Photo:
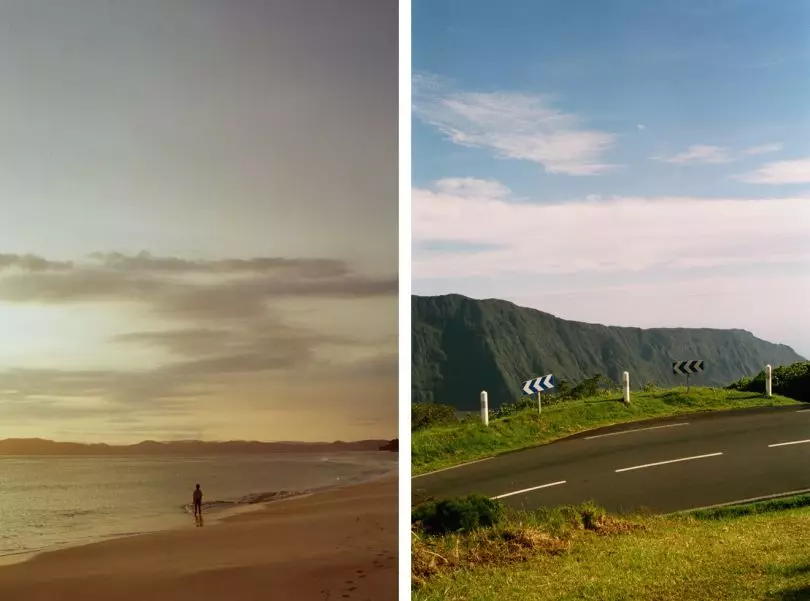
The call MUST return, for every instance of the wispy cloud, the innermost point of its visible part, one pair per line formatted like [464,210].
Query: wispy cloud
[215,321]
[763,149]
[241,288]
[31,263]
[622,234]
[472,187]
[796,171]
[699,154]
[513,125]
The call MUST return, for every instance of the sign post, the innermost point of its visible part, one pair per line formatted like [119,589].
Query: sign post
[626,386]
[484,408]
[538,385]
[686,368]
[768,381]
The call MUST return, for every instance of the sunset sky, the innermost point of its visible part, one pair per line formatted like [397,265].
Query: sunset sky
[198,219]
[634,162]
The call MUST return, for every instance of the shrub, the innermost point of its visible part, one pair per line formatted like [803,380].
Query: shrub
[650,387]
[596,385]
[424,415]
[462,514]
[521,404]
[789,380]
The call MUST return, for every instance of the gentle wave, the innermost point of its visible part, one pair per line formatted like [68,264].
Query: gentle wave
[251,499]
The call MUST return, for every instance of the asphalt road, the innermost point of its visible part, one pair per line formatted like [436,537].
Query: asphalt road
[712,458]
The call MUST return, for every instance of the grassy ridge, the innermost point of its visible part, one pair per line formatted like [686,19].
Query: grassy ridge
[750,552]
[444,446]
[502,344]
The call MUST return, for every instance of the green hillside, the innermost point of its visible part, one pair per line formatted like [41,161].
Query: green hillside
[462,346]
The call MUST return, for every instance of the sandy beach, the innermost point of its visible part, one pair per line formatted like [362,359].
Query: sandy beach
[335,545]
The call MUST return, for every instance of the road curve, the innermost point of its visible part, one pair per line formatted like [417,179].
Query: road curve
[662,465]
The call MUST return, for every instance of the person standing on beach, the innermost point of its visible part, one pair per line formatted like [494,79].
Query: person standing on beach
[197,496]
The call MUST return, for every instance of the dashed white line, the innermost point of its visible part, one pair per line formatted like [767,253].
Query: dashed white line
[636,430]
[638,467]
[802,410]
[517,492]
[784,444]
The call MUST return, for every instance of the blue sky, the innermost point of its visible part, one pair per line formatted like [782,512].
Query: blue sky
[627,162]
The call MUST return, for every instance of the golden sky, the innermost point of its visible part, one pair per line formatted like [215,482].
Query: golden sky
[198,234]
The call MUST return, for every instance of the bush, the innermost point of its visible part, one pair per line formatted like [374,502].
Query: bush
[596,385]
[789,380]
[650,387]
[462,514]
[521,404]
[424,415]
[744,384]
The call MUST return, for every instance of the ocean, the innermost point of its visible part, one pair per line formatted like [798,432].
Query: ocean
[54,502]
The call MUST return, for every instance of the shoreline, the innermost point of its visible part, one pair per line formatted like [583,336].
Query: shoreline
[334,544]
[211,519]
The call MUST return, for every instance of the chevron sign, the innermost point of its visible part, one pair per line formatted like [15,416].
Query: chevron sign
[686,367]
[538,384]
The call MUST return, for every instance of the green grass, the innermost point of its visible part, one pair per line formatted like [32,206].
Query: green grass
[760,553]
[444,446]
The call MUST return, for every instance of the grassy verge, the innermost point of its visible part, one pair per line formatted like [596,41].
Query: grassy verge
[444,446]
[752,552]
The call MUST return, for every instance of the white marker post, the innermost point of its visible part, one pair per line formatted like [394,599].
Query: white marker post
[768,388]
[484,408]
[539,404]
[626,384]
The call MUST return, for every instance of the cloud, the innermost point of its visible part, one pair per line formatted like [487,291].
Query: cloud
[641,127]
[614,235]
[145,262]
[161,285]
[30,262]
[781,172]
[208,362]
[698,154]
[513,125]
[763,149]
[220,323]
[472,187]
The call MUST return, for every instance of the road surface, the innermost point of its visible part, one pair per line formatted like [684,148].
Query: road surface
[662,466]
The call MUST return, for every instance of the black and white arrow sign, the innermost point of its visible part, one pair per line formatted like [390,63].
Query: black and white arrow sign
[538,384]
[686,367]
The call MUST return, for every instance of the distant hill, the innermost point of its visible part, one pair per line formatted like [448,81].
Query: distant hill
[38,446]
[461,346]
[392,445]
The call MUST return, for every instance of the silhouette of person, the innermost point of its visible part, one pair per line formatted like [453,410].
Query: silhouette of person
[197,496]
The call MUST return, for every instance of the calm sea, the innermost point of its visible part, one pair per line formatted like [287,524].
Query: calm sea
[50,502]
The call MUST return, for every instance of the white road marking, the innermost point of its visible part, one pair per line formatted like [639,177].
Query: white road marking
[517,492]
[782,444]
[802,410]
[637,430]
[778,495]
[638,467]
[452,467]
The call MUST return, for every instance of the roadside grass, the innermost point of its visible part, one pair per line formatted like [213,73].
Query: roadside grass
[444,446]
[752,552]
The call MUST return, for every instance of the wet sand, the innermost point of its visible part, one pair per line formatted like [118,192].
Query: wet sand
[335,546]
